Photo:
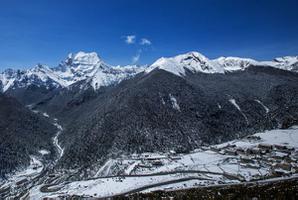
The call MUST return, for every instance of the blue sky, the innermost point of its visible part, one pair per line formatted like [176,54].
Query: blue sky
[45,31]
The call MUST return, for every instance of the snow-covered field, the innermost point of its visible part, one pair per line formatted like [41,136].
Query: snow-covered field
[105,187]
[265,155]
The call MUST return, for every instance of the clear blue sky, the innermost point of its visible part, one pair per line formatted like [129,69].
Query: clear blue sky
[45,31]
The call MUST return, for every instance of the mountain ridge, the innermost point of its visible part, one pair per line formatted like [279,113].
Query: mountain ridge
[76,67]
[89,67]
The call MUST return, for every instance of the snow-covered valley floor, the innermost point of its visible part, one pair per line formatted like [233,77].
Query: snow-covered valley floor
[267,156]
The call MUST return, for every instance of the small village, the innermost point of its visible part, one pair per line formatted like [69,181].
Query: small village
[262,159]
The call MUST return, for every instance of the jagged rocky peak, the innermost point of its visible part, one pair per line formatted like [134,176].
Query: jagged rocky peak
[7,78]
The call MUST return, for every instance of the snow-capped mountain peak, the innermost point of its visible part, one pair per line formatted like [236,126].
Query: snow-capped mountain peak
[79,66]
[192,61]
[7,78]
[287,60]
[287,63]
[45,74]
[80,63]
[89,67]
[82,58]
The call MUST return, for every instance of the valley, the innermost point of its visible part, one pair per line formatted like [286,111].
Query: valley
[263,157]
[148,100]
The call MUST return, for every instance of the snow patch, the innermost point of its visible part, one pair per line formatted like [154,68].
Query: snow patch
[174,102]
[33,170]
[45,115]
[233,101]
[43,152]
[131,167]
[105,169]
[266,108]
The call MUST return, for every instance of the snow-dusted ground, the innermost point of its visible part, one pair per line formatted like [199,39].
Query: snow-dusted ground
[105,169]
[106,187]
[233,101]
[181,185]
[218,164]
[131,167]
[27,174]
[35,167]
[281,136]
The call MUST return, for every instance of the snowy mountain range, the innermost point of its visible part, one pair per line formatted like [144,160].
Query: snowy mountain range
[196,62]
[93,71]
[87,67]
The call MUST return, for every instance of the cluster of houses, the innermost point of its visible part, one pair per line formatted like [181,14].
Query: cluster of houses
[152,160]
[277,159]
[281,159]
